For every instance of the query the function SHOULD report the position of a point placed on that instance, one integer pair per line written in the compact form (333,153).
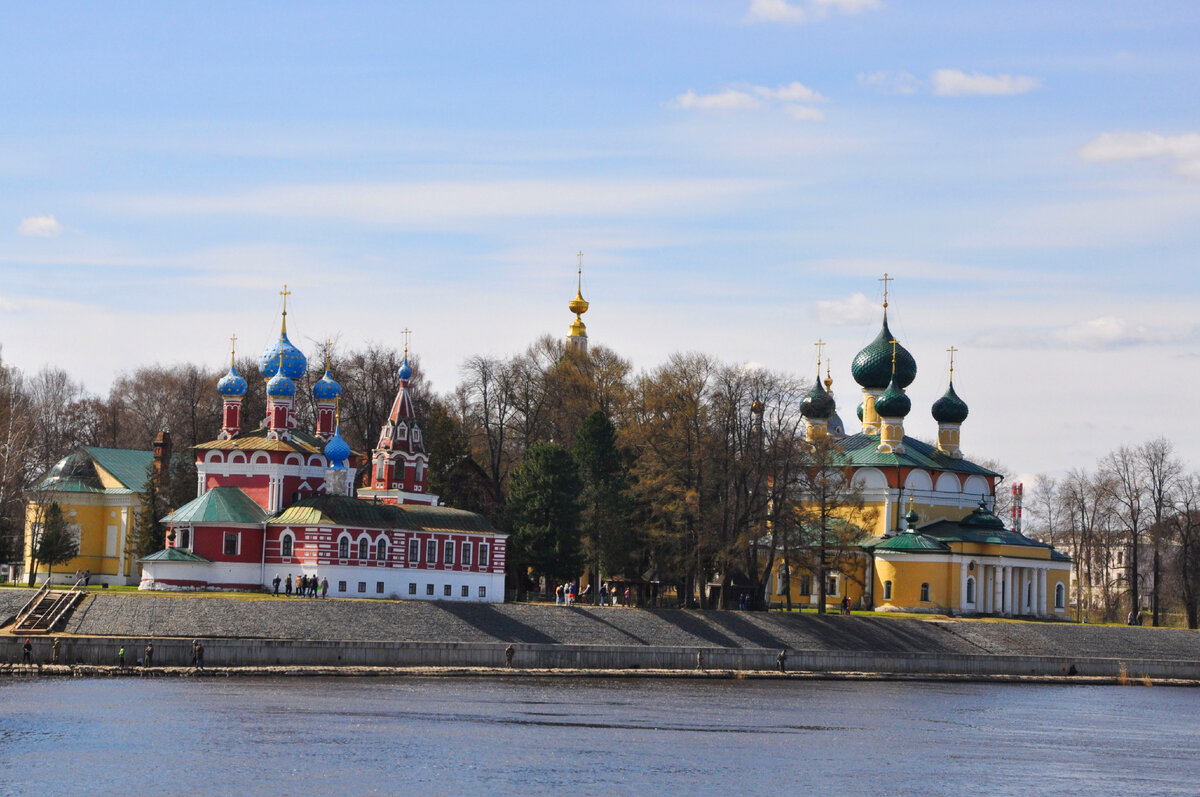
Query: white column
(1042,591)
(997,589)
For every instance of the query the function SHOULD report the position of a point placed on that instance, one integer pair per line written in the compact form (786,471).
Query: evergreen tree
(608,533)
(543,507)
(56,545)
(149,535)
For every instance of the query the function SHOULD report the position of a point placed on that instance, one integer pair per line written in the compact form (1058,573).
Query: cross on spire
(406,332)
(885,280)
(952,350)
(895,343)
(820,344)
(284,293)
(328,350)
(232,349)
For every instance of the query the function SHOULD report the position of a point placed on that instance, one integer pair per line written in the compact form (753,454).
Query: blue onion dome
(893,403)
(232,384)
(294,363)
(872,367)
(279,386)
(818,404)
(950,408)
(405,371)
(337,450)
(326,389)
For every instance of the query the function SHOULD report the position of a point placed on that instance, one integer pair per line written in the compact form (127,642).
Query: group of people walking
(305,586)
(565,594)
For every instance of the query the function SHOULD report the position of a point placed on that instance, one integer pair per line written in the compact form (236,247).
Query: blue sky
(738,174)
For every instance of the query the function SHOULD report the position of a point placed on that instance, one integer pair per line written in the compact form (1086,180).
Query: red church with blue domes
(280,500)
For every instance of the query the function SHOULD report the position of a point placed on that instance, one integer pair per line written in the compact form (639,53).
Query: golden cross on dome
(885,280)
(406,332)
(895,343)
(820,344)
(232,348)
(952,350)
(328,349)
(284,293)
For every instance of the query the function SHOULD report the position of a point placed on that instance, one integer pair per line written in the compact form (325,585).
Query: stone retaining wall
(269,653)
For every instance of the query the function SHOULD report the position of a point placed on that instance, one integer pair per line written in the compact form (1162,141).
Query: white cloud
(728,100)
(803,113)
(792,92)
(433,202)
(954,83)
(1098,334)
(753,97)
(857,309)
(799,13)
(891,82)
(776,11)
(40,227)
(1184,149)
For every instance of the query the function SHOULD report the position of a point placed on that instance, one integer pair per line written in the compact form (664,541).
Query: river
(457,736)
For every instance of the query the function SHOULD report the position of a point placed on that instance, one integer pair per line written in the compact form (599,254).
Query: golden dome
(578,305)
(578,330)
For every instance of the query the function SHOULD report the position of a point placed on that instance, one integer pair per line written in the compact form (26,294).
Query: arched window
(344,548)
(970,590)
(285,547)
(925,592)
(887,590)
(1060,596)
(362,548)
(381,549)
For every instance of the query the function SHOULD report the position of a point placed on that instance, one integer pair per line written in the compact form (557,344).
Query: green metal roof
(127,466)
(218,505)
(174,555)
(861,450)
(911,542)
(340,510)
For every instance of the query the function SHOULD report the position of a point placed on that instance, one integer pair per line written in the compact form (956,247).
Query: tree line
(688,474)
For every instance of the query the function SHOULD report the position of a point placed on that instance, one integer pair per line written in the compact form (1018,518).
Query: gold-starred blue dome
(327,389)
(283,356)
(280,386)
(232,385)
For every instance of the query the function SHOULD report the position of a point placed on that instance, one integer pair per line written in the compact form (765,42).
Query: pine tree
(149,535)
(57,544)
(543,506)
(608,534)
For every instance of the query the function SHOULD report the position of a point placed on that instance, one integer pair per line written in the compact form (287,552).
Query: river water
(309,737)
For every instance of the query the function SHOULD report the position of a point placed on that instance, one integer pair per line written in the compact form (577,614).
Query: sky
(739,175)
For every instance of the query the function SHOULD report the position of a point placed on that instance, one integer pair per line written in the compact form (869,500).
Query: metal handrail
(59,606)
(28,607)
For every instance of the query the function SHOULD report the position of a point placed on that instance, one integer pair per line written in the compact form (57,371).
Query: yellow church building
(99,491)
(948,553)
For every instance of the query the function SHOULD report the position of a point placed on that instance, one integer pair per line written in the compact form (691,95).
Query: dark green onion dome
(982,518)
(872,367)
(860,412)
(893,403)
(911,519)
(950,408)
(818,404)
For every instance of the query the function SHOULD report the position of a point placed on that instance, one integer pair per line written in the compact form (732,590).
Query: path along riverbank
(307,636)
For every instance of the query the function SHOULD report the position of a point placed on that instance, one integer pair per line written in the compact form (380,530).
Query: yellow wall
(94,513)
(907,577)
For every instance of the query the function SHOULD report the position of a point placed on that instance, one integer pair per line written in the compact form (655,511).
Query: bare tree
(1161,471)
(1125,487)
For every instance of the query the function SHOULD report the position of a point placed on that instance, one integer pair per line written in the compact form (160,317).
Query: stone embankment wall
(295,631)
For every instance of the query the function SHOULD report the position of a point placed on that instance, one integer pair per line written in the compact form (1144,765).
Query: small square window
(378,587)
(483,592)
(466,591)
(341,586)
(362,586)
(446,590)
(428,589)
(412,588)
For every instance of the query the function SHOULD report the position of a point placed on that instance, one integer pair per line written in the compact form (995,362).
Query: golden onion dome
(578,305)
(578,330)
